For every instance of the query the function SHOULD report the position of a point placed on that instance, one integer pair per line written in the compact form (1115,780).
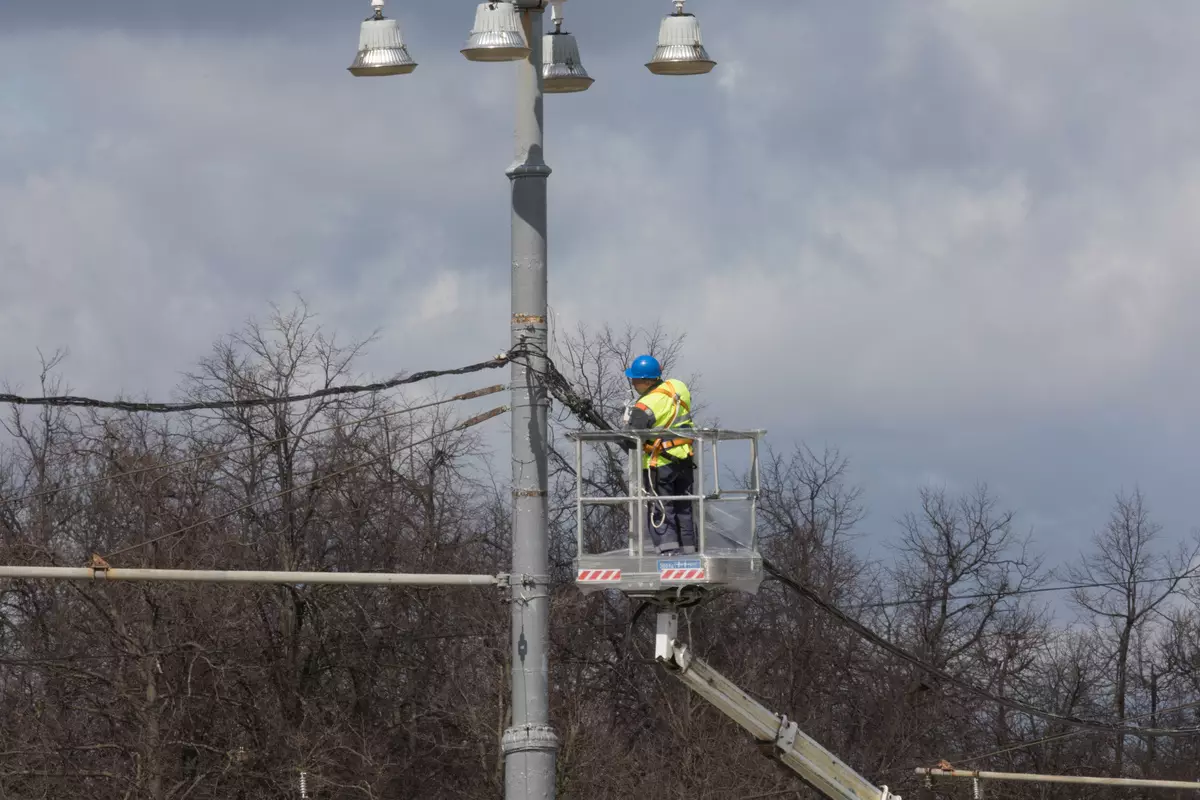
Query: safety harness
(657,450)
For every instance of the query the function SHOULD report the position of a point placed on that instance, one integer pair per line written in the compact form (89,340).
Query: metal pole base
(529,757)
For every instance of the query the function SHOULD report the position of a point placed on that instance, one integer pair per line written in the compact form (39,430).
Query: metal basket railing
(706,443)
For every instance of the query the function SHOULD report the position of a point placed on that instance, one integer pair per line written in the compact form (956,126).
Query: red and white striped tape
(594,575)
(681,575)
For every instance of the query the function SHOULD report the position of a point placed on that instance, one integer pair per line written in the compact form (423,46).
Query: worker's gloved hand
(626,444)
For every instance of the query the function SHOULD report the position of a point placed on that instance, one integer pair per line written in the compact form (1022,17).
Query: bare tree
(119,691)
(962,546)
(1133,580)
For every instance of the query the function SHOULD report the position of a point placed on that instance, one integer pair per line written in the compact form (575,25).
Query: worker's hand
(625,444)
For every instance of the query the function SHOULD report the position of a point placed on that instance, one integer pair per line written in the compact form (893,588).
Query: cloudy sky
(954,238)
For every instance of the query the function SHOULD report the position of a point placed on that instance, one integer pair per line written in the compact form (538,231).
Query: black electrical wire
(219,454)
(165,408)
(1013,705)
(475,420)
(1057,737)
(917,601)
(560,386)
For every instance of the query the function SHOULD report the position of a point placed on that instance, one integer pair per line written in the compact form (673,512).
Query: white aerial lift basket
(727,546)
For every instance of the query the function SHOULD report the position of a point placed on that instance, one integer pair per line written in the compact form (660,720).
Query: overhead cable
(1068,734)
(248,402)
(1013,705)
(170,465)
(475,420)
(999,594)
(561,389)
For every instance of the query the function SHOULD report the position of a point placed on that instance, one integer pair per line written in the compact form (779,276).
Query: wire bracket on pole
(524,588)
(504,588)
(530,493)
(527,581)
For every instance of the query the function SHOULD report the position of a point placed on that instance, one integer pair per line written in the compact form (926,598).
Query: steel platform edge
(652,575)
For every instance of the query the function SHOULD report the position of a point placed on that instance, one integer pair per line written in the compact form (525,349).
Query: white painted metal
(498,34)
(381,48)
(1077,779)
(666,635)
(819,768)
(680,49)
(248,576)
(562,69)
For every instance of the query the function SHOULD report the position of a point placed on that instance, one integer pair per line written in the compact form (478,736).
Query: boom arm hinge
(784,740)
(776,735)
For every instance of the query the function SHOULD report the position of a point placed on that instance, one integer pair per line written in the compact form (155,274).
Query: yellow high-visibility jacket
(667,405)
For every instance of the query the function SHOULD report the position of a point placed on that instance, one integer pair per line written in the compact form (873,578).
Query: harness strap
(653,449)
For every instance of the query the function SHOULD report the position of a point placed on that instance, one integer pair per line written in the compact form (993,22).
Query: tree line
(186,691)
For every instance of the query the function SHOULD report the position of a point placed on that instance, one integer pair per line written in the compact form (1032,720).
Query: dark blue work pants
(676,530)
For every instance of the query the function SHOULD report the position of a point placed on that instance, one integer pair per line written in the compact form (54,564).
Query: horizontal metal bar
(609,501)
(248,576)
(715,434)
(1029,777)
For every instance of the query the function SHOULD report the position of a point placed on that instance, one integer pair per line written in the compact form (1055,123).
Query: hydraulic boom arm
(784,741)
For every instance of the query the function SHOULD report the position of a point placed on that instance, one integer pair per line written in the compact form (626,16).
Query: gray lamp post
(511,30)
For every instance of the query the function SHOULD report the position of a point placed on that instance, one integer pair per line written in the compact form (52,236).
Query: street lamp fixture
(680,49)
(381,49)
(497,35)
(562,70)
(512,30)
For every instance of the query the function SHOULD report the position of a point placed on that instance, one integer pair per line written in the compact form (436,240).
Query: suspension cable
(171,465)
(475,420)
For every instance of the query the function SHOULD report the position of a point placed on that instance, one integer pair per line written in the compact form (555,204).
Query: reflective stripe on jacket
(670,403)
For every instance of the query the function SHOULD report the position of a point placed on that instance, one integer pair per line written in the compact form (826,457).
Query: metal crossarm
(978,778)
(102,572)
(776,734)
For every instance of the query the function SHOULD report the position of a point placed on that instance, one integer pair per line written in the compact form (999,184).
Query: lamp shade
(381,49)
(680,49)
(561,68)
(497,34)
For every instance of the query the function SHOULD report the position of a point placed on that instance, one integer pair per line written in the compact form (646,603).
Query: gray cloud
(953,238)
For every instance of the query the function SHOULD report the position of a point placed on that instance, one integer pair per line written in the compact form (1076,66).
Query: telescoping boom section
(778,736)
(614,547)
(727,557)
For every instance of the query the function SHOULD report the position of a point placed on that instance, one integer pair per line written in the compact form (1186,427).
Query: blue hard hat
(644,367)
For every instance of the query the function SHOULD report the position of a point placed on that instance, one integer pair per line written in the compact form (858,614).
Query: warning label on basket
(681,569)
(680,563)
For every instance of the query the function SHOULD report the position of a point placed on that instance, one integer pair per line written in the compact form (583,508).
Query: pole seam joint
(527,170)
(528,320)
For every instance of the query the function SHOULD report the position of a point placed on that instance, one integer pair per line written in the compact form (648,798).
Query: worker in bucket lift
(669,465)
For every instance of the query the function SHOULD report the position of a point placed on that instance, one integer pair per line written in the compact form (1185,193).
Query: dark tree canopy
(169,692)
